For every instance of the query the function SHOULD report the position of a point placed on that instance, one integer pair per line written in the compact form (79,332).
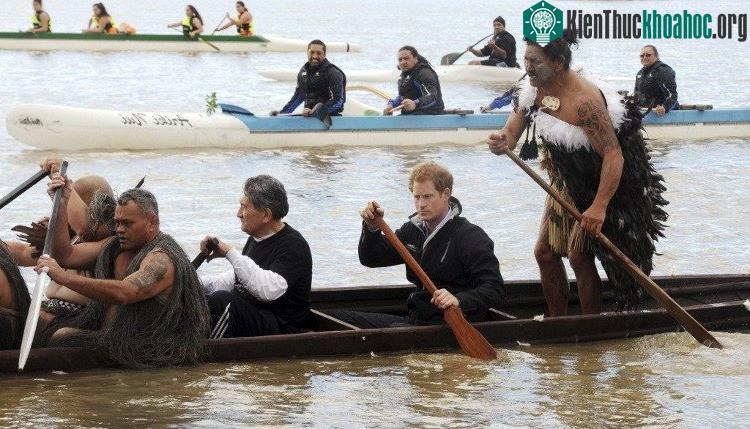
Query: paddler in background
(320,84)
(101,21)
(418,87)
(243,21)
(40,20)
(501,49)
(192,23)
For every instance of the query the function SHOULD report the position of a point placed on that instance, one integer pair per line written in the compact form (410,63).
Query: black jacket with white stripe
(422,85)
(459,257)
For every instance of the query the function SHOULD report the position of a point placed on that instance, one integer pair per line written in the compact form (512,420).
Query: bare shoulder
(592,116)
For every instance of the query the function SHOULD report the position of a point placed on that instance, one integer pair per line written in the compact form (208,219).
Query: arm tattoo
(152,272)
(595,122)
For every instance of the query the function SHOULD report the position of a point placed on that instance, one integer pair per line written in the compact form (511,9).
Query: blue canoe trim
(437,122)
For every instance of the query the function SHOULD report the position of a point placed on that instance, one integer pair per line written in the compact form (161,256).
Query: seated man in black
(418,87)
(268,289)
(318,82)
(457,255)
(501,49)
(655,85)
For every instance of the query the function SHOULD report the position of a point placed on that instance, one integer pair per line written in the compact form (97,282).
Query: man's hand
(51,165)
(218,251)
(58,181)
(484,109)
(306,111)
(369,212)
(409,105)
(491,43)
(660,110)
(592,219)
(443,299)
(388,110)
(501,141)
(274,113)
(45,263)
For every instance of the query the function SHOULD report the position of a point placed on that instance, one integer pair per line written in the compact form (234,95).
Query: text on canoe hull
(141,119)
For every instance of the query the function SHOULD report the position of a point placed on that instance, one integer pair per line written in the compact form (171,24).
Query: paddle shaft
(201,39)
(475,44)
(23,187)
(471,341)
(202,256)
(673,308)
(219,24)
(42,280)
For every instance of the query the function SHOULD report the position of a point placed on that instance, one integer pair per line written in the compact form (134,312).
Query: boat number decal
(141,119)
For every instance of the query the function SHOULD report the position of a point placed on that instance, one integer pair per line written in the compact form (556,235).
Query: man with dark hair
(655,85)
(320,84)
(267,291)
(457,255)
(501,49)
(418,86)
(147,305)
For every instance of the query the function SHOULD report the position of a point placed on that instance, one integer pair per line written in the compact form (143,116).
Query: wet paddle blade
(31,319)
(449,59)
(471,341)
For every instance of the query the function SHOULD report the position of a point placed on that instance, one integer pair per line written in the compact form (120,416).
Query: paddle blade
(323,116)
(29,330)
(449,59)
(471,341)
(228,108)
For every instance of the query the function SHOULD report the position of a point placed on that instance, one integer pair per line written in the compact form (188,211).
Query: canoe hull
(73,129)
(158,43)
(724,309)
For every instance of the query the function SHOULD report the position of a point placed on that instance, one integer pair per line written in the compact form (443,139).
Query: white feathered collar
(560,133)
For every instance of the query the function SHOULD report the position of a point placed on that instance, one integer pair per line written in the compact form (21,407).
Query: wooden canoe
(718,302)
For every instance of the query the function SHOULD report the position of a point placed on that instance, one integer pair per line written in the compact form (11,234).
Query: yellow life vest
(36,23)
(247,29)
(109,28)
(187,25)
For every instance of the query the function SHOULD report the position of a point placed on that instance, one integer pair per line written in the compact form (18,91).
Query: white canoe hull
(71,129)
(454,73)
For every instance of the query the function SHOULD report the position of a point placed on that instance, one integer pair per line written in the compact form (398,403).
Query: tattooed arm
(155,275)
(594,119)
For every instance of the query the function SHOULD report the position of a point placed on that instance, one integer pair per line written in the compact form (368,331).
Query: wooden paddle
(23,187)
(201,39)
(471,341)
(202,256)
(451,58)
(683,317)
(220,22)
(42,279)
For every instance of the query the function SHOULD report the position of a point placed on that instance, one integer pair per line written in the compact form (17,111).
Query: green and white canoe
(20,41)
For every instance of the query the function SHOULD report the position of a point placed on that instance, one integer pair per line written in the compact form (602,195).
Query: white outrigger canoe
(71,129)
(158,43)
(452,73)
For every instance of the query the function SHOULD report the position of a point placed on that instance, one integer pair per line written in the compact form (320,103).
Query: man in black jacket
(457,255)
(655,85)
(318,82)
(418,87)
(267,291)
(501,50)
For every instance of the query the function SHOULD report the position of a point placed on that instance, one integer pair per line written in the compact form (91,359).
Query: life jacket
(246,29)
(37,23)
(187,25)
(110,28)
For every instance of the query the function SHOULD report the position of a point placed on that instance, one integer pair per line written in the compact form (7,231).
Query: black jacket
(506,41)
(656,85)
(422,85)
(325,84)
(459,257)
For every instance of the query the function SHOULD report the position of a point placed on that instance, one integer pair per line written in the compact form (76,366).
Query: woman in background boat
(192,23)
(101,21)
(243,21)
(40,20)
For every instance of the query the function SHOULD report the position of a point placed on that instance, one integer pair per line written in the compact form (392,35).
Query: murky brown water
(660,381)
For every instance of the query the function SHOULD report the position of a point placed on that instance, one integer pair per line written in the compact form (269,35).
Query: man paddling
(40,20)
(320,85)
(14,301)
(267,291)
(148,308)
(597,158)
(418,86)
(457,255)
(501,50)
(655,85)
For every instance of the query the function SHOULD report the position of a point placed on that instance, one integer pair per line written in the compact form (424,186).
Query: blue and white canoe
(73,129)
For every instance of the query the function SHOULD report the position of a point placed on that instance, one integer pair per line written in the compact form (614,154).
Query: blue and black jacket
(325,84)
(420,84)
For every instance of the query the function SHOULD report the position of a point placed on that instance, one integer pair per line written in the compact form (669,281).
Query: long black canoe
(718,302)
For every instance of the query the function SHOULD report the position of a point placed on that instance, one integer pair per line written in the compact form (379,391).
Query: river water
(663,380)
